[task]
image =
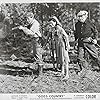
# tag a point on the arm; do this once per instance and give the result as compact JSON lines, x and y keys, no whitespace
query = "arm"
{"x":66,"y":40}
{"x":26,"y":30}
{"x":29,"y":31}
{"x":94,"y":30}
{"x":34,"y":30}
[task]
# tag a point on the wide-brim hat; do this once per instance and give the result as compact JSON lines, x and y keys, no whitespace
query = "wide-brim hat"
{"x":81,"y":13}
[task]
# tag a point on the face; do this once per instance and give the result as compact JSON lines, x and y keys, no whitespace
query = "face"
{"x":82,"y":18}
{"x":52,"y":23}
{"x":50,"y":28}
{"x":30,"y":19}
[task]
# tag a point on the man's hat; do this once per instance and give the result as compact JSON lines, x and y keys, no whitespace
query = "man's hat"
{"x":81,"y":13}
{"x":29,"y":14}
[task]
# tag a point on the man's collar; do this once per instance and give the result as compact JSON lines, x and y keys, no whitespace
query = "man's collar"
{"x":86,"y":21}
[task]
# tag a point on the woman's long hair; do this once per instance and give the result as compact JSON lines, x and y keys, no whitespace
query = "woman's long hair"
{"x":55,"y":19}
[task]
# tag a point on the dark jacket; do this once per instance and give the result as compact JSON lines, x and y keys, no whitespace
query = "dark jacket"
{"x":85,"y":30}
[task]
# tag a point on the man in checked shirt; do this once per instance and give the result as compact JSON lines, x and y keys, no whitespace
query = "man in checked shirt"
{"x":86,"y":34}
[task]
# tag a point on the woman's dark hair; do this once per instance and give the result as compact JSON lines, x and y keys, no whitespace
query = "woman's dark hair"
{"x":55,"y":19}
{"x":52,"y":19}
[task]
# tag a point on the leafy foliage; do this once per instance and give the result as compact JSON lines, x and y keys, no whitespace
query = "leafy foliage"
{"x":18,"y":42}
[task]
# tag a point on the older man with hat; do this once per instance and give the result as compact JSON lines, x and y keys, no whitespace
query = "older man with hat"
{"x":86,"y":34}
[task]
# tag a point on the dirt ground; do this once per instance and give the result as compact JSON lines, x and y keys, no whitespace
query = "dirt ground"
{"x":18,"y":81}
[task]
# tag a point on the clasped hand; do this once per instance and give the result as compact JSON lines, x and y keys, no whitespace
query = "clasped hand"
{"x":21,"y":27}
{"x":94,"y":41}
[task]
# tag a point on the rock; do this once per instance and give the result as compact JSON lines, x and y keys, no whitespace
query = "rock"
{"x":13,"y":57}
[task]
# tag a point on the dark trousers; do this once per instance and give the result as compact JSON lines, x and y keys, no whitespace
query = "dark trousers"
{"x":92,"y":51}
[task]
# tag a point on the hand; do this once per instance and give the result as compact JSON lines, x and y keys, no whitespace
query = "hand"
{"x":21,"y":27}
{"x":89,"y":39}
{"x":94,"y":41}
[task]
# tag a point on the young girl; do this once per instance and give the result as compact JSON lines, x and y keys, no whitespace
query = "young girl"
{"x":61,"y":46}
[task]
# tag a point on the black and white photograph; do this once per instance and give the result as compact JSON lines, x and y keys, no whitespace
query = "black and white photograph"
{"x":50,"y":47}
